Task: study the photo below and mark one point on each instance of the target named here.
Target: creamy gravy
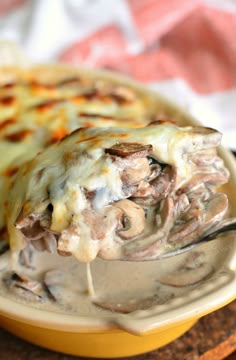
(118, 286)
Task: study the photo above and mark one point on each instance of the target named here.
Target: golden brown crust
(157, 107)
(41, 104)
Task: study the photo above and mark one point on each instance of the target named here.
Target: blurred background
(184, 48)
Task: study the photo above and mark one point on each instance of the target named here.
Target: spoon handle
(212, 236)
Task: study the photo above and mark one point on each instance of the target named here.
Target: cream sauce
(120, 285)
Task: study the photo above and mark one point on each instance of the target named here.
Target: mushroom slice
(114, 306)
(131, 150)
(201, 192)
(187, 276)
(149, 194)
(26, 256)
(181, 205)
(46, 242)
(155, 171)
(216, 208)
(133, 219)
(50, 242)
(211, 214)
(34, 231)
(137, 171)
(35, 227)
(149, 247)
(41, 211)
(53, 281)
(165, 183)
(167, 213)
(64, 252)
(39, 244)
(100, 223)
(28, 289)
(193, 270)
(204, 158)
(184, 233)
(125, 307)
(125, 304)
(143, 190)
(212, 179)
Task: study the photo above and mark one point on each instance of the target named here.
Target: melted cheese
(61, 174)
(40, 106)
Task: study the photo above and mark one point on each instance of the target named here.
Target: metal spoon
(225, 226)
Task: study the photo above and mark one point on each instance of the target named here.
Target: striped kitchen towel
(184, 48)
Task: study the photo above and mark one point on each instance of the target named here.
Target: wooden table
(212, 338)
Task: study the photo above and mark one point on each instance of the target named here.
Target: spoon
(225, 226)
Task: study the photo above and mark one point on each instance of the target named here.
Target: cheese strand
(91, 290)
